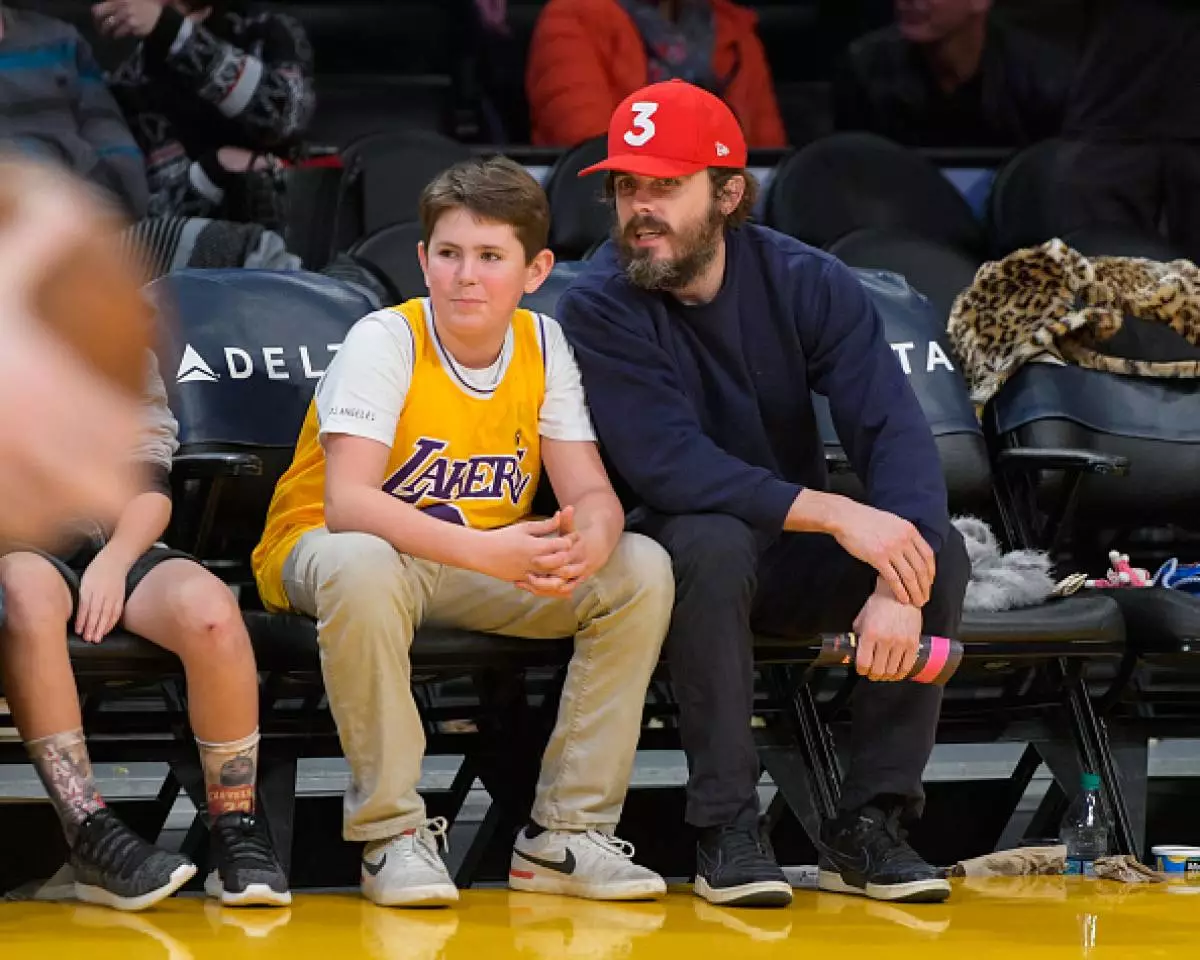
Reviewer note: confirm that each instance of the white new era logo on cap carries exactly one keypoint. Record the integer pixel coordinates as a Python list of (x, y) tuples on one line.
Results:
[(722, 150)]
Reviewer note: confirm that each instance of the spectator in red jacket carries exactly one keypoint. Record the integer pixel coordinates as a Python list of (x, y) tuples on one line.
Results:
[(586, 56)]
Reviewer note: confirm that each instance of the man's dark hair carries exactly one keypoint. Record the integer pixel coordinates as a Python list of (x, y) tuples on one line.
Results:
[(492, 188), (719, 178)]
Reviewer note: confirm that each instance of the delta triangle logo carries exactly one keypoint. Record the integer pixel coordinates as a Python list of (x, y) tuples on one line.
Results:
[(193, 369)]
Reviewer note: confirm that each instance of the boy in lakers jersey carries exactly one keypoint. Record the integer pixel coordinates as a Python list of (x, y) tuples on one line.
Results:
[(408, 502)]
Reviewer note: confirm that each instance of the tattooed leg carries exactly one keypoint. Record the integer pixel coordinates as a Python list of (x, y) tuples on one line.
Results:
[(230, 772), (62, 763)]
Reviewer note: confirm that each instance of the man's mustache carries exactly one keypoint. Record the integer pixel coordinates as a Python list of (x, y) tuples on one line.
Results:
[(646, 223)]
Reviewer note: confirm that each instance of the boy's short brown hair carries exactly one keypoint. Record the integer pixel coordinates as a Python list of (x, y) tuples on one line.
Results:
[(492, 188)]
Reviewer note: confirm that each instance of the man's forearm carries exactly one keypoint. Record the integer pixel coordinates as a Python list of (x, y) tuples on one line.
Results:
[(409, 530), (814, 511)]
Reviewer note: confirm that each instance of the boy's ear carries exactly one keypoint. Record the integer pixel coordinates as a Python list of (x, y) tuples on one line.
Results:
[(423, 259), (538, 270)]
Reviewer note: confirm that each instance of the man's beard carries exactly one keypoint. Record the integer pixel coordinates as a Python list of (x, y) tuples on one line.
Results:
[(697, 248)]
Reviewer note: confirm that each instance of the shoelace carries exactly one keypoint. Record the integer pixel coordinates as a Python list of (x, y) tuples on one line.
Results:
[(741, 843), (245, 839), (611, 844), (105, 841), (889, 840), (432, 833)]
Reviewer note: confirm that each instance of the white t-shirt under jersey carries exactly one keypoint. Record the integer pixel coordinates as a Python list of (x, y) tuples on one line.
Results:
[(363, 391)]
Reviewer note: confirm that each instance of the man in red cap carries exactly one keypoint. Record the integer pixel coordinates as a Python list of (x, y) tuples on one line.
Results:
[(701, 339)]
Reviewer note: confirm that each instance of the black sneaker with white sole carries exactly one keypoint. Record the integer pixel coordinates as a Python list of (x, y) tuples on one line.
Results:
[(864, 852), (245, 870), (735, 866), (114, 867)]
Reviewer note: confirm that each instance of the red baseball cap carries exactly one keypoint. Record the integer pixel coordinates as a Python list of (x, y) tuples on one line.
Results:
[(672, 129)]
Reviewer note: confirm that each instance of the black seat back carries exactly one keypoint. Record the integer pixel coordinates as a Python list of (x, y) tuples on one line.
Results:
[(849, 181), (919, 340), (545, 299), (938, 271), (384, 176), (1025, 206), (579, 217), (244, 352), (391, 254), (1154, 423)]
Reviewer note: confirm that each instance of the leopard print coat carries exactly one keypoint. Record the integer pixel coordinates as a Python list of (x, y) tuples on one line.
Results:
[(1051, 303)]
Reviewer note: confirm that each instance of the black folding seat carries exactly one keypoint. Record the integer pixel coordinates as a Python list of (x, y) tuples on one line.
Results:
[(390, 253), (1153, 513), (579, 217)]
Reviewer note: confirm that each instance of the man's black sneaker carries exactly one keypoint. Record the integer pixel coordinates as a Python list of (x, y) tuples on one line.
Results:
[(735, 866), (114, 867), (245, 871), (865, 853)]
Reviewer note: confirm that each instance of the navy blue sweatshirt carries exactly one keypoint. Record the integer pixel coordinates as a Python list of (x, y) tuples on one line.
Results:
[(707, 409)]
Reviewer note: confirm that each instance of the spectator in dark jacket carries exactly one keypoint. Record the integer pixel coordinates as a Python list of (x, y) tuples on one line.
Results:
[(54, 105), (210, 93), (949, 73)]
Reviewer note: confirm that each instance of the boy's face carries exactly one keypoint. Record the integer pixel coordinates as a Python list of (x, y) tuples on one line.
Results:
[(476, 273)]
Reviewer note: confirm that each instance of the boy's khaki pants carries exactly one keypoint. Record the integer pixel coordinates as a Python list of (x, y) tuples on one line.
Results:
[(369, 599)]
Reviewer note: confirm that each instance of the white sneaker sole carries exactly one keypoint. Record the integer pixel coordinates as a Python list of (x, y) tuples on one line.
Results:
[(918, 891), (534, 881), (106, 898), (430, 895), (765, 893), (255, 894)]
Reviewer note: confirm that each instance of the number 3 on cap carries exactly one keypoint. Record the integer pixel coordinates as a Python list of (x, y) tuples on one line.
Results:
[(642, 112)]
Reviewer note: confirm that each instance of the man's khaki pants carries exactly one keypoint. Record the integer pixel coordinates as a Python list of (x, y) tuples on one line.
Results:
[(369, 599)]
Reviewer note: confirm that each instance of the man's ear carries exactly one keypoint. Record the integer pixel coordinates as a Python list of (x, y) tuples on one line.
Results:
[(538, 270), (731, 194)]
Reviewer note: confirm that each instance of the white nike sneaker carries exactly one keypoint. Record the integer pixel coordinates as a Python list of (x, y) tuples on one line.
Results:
[(407, 870), (586, 864)]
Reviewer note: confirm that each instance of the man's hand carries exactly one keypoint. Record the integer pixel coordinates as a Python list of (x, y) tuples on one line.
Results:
[(889, 634), (583, 560), (238, 160), (890, 544), (101, 596), (127, 18), (534, 547)]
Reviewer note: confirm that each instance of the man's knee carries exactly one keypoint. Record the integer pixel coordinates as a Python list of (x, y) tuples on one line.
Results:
[(712, 552), (35, 594)]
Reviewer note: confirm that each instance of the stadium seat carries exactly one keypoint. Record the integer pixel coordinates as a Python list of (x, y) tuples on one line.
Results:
[(848, 181), (1024, 209), (1101, 240), (391, 254), (545, 299), (1154, 426), (385, 174), (1023, 670), (938, 271), (579, 217)]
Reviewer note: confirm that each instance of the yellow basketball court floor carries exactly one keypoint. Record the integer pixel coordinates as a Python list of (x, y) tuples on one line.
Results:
[(1019, 919)]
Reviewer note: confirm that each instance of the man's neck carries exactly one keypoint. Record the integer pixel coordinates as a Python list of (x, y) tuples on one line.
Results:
[(706, 287), (956, 58)]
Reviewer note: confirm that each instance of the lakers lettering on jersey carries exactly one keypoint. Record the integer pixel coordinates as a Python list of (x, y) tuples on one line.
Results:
[(462, 450)]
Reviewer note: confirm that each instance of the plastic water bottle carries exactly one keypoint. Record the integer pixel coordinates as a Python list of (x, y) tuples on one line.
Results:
[(1085, 829)]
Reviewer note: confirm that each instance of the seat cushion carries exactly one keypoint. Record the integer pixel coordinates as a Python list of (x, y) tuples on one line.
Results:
[(1159, 620), (288, 642), (122, 655), (1089, 620)]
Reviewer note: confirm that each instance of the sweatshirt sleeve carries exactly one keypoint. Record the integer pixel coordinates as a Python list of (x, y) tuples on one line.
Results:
[(667, 459), (876, 414)]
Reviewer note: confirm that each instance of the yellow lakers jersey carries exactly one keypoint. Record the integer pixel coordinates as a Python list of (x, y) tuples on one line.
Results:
[(459, 454)]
